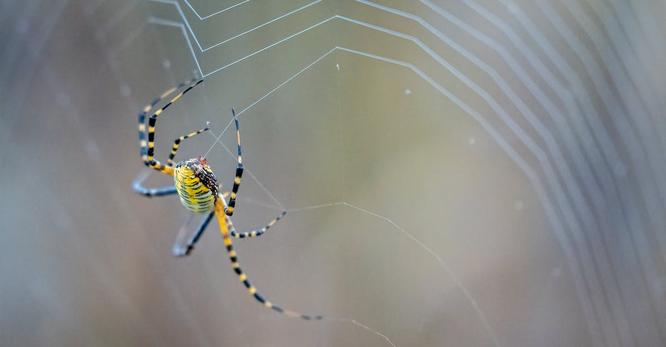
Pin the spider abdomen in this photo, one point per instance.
(196, 185)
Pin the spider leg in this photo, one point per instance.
(143, 144)
(153, 192)
(176, 144)
(149, 159)
(229, 207)
(252, 290)
(252, 233)
(138, 187)
(180, 250)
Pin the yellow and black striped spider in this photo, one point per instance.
(199, 190)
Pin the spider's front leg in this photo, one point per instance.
(148, 147)
(147, 141)
(143, 144)
(229, 207)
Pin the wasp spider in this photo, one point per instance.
(199, 190)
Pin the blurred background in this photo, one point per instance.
(460, 173)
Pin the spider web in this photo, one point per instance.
(469, 172)
(545, 169)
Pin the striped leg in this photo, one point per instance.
(150, 160)
(138, 187)
(147, 109)
(176, 143)
(224, 230)
(253, 233)
(229, 208)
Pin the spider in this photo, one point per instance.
(199, 190)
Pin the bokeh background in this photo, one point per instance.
(460, 173)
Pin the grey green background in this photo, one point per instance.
(560, 243)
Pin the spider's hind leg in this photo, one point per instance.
(184, 244)
(235, 265)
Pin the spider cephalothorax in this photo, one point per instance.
(196, 185)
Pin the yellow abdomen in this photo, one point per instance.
(196, 185)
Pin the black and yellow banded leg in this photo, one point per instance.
(176, 143)
(143, 144)
(253, 233)
(252, 290)
(229, 208)
(150, 160)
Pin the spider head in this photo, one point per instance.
(203, 161)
